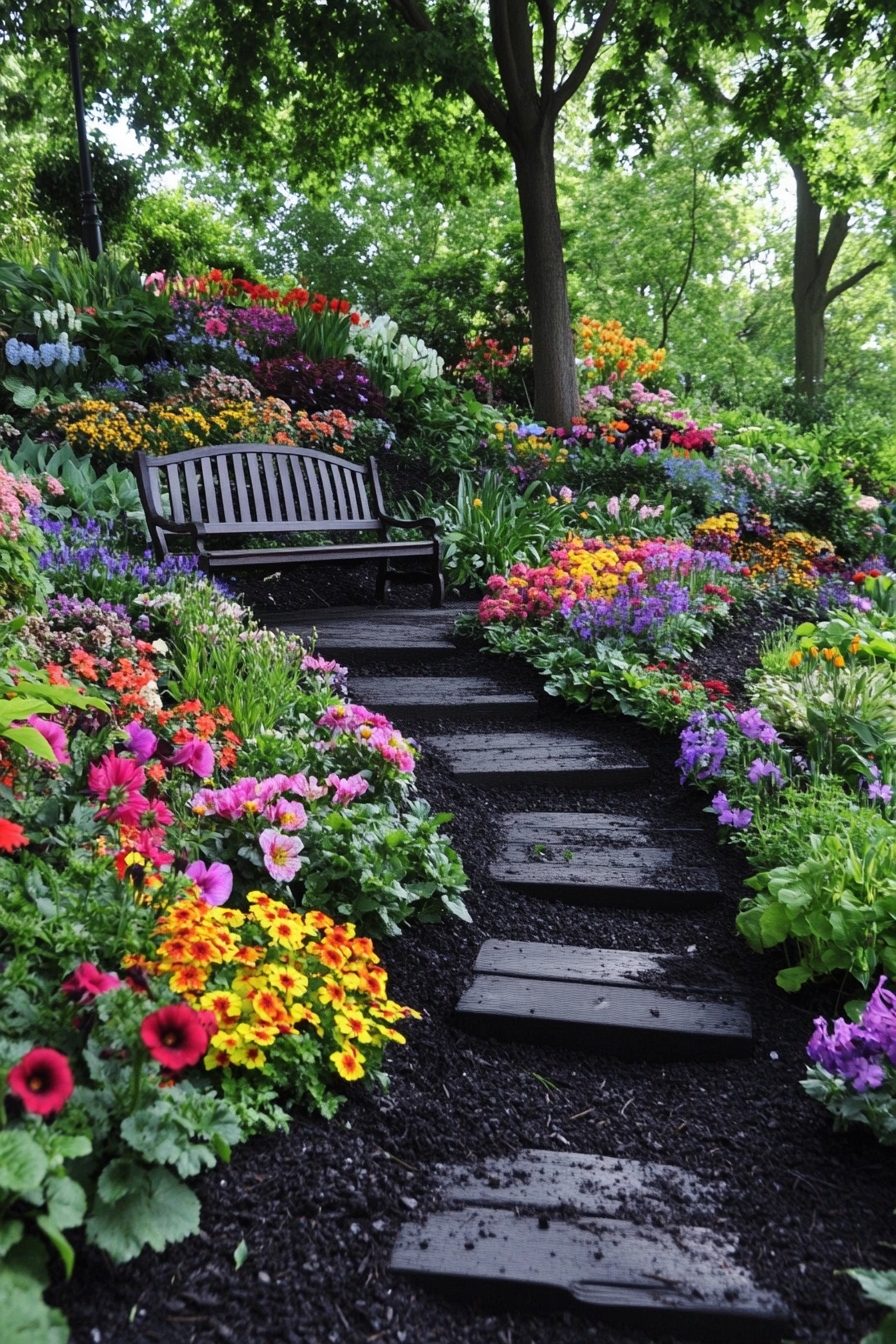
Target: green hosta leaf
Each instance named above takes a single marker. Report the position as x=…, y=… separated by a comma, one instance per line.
x=138, y=1206
x=26, y=1317
x=23, y=1164
x=31, y=740
x=878, y=1284
x=11, y=1231
x=774, y=925
x=66, y=1201
x=793, y=978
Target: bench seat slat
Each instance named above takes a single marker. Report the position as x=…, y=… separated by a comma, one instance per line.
x=277, y=555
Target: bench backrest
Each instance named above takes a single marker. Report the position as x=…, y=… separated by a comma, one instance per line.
x=249, y=488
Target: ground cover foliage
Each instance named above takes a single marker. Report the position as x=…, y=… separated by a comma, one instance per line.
x=207, y=841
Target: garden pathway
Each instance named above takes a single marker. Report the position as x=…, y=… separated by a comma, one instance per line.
x=626, y=1242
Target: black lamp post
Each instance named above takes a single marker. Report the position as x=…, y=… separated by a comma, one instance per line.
x=91, y=235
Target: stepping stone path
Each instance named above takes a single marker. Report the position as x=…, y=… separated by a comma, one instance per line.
x=563, y=760
x=582, y=1251
x=600, y=859
x=619, y=1240
x=460, y=698
x=591, y=1000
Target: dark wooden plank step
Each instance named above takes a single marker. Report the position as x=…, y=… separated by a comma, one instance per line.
x=623, y=1021
x=606, y=1187
x=554, y=961
x=349, y=633
x=561, y=759
x=598, y=859
x=640, y=1277
x=446, y=697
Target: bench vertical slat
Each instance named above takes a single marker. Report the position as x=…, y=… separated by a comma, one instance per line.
x=298, y=476
x=207, y=467
x=289, y=500
x=192, y=481
x=257, y=492
x=239, y=474
x=174, y=492
x=225, y=463
x=318, y=512
x=324, y=475
x=361, y=489
x=351, y=494
x=270, y=475
x=338, y=477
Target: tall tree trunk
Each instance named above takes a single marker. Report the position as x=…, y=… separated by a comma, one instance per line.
x=811, y=269
x=556, y=379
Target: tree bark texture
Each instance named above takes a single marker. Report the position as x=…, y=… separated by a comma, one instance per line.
x=813, y=261
x=556, y=378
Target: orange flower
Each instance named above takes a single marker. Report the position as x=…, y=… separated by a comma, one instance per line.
x=349, y=1063
x=188, y=980
x=205, y=726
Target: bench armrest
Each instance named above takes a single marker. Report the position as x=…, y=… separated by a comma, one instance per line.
x=428, y=524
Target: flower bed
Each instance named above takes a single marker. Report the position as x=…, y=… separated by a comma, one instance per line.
x=200, y=835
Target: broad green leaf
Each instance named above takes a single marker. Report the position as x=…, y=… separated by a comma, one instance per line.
x=878, y=1284
x=11, y=1230
x=25, y=1316
x=31, y=740
x=239, y=1255
x=66, y=1201
x=153, y=1209
x=793, y=978
x=23, y=1164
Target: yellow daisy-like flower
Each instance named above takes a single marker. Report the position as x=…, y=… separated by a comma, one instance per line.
x=352, y=1024
x=349, y=1063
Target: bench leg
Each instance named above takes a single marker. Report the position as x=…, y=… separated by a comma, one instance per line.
x=438, y=579
x=381, y=573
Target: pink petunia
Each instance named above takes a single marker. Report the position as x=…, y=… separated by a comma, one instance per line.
x=345, y=717
x=141, y=741
x=55, y=736
x=288, y=815
x=346, y=790
x=307, y=787
x=281, y=854
x=117, y=781
x=267, y=789
x=215, y=881
x=87, y=981
x=195, y=755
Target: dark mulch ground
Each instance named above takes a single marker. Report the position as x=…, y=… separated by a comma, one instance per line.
x=319, y=1208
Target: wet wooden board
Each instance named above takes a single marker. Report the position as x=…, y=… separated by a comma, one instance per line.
x=444, y=697
x=684, y=1282
x=555, y=961
x=560, y=759
x=622, y=1021
x=348, y=633
x=599, y=859
x=606, y=1187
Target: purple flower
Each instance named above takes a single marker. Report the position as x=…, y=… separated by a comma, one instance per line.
x=857, y=1051
x=753, y=725
x=197, y=756
x=215, y=882
x=736, y=817
x=141, y=741
x=703, y=748
x=761, y=769
x=881, y=793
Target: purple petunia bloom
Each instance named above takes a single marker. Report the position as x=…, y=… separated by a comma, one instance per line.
x=141, y=741
x=736, y=817
x=703, y=747
x=761, y=769
x=858, y=1052
x=753, y=725
x=215, y=881
x=880, y=793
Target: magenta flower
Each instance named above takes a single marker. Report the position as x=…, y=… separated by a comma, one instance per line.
x=55, y=736
x=269, y=788
x=215, y=882
x=197, y=756
x=87, y=981
x=346, y=790
x=156, y=815
x=307, y=787
x=346, y=717
x=281, y=854
x=141, y=741
x=117, y=781
x=286, y=814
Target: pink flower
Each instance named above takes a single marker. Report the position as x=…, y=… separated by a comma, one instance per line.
x=346, y=790
x=613, y=506
x=281, y=854
x=307, y=788
x=393, y=748
x=155, y=815
x=117, y=781
x=346, y=717
x=289, y=816
x=87, y=981
x=215, y=327
x=55, y=735
x=269, y=788
x=141, y=741
x=215, y=882
x=312, y=664
x=197, y=756
x=54, y=486
x=205, y=801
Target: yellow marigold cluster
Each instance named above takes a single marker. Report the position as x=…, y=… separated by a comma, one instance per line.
x=272, y=973
x=99, y=426
x=547, y=447
x=606, y=349
x=793, y=556
x=722, y=524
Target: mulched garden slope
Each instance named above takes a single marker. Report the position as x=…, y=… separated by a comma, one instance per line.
x=319, y=1208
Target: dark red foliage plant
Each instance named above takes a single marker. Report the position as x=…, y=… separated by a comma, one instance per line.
x=333, y=385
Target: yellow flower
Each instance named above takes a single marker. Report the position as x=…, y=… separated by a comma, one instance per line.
x=348, y=1062
x=552, y=499
x=477, y=503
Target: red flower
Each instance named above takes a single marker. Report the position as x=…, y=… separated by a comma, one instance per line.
x=11, y=836
x=42, y=1080
x=87, y=981
x=175, y=1036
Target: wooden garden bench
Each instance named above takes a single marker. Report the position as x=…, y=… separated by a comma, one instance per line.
x=233, y=492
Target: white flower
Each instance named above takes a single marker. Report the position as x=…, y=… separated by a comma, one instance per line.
x=160, y=646
x=37, y=320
